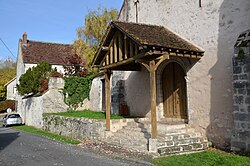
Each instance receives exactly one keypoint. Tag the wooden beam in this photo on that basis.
(125, 47)
(108, 95)
(161, 59)
(131, 49)
(120, 47)
(115, 49)
(136, 50)
(153, 98)
(107, 59)
(111, 53)
(124, 62)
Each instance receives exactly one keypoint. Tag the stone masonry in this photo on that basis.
(241, 94)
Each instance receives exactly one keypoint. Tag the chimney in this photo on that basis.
(24, 38)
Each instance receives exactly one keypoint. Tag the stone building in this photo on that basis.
(11, 89)
(209, 26)
(241, 93)
(30, 53)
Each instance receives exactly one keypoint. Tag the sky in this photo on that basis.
(44, 20)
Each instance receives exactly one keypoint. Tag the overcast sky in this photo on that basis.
(44, 20)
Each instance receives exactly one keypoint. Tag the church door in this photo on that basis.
(174, 91)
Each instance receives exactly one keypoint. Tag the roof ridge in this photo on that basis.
(146, 24)
(49, 42)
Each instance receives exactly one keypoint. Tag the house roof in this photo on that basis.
(147, 35)
(53, 53)
(13, 79)
(154, 35)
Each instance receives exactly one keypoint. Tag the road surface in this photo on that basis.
(23, 149)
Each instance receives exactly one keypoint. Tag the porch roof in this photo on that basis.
(147, 38)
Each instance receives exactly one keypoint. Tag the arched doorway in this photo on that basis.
(174, 91)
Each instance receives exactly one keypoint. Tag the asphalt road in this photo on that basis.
(23, 149)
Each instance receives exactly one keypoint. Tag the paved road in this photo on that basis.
(22, 149)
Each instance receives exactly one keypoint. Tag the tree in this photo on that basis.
(34, 80)
(90, 35)
(76, 67)
(7, 72)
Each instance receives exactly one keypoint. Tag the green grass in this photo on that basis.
(86, 114)
(60, 138)
(207, 158)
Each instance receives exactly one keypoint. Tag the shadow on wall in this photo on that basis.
(138, 93)
(233, 19)
(117, 96)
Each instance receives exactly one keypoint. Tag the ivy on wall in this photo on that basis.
(76, 89)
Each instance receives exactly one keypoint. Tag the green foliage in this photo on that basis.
(76, 89)
(90, 35)
(86, 114)
(35, 79)
(4, 105)
(207, 158)
(60, 138)
(7, 72)
(76, 67)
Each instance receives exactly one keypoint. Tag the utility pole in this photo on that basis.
(136, 10)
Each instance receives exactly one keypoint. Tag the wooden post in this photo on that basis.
(115, 53)
(120, 48)
(153, 98)
(108, 94)
(125, 47)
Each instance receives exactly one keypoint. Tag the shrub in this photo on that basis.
(33, 81)
(4, 105)
(76, 89)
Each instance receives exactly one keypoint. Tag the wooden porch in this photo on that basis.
(129, 46)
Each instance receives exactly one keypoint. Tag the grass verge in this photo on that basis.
(36, 131)
(206, 158)
(86, 114)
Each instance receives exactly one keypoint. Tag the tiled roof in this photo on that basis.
(53, 53)
(154, 35)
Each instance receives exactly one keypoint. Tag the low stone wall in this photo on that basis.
(83, 128)
(79, 128)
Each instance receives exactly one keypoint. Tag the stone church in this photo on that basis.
(171, 62)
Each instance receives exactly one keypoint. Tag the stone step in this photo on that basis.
(178, 136)
(181, 142)
(132, 135)
(160, 126)
(139, 129)
(182, 149)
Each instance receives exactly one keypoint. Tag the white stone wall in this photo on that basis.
(59, 68)
(138, 93)
(31, 109)
(20, 66)
(11, 90)
(215, 27)
(95, 101)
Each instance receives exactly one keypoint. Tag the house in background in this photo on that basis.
(198, 94)
(11, 89)
(30, 53)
